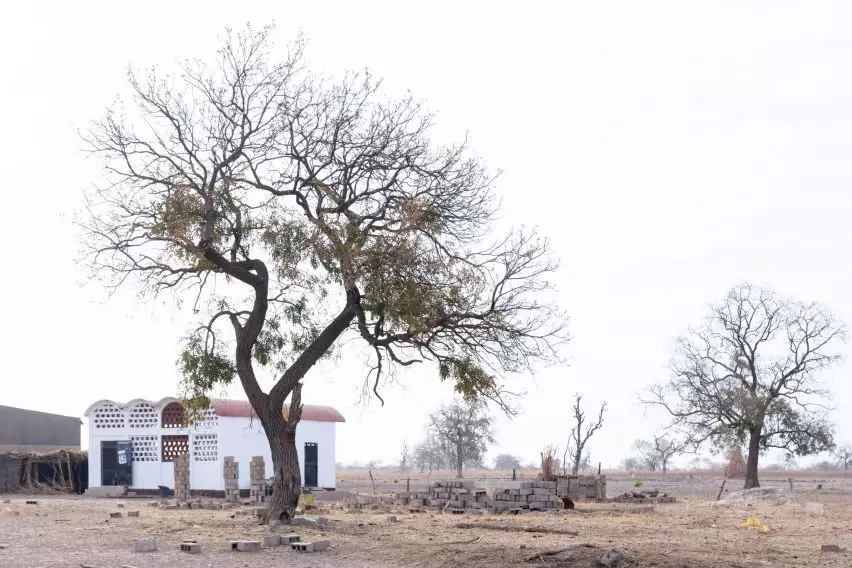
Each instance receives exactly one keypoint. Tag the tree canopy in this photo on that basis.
(287, 210)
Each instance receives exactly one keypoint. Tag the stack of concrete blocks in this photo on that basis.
(458, 495)
(582, 487)
(231, 473)
(182, 478)
(416, 497)
(257, 476)
(532, 495)
(370, 501)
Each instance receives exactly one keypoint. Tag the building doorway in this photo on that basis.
(117, 463)
(311, 465)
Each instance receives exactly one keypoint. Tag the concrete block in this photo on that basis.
(145, 546)
(311, 546)
(248, 545)
(30, 502)
(115, 515)
(271, 540)
(830, 548)
(7, 500)
(611, 558)
(290, 538)
(190, 547)
(132, 513)
(107, 491)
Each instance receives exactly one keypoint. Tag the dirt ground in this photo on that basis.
(695, 532)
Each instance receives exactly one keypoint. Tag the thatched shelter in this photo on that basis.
(60, 470)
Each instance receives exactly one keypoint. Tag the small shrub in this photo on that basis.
(307, 499)
(396, 481)
(638, 483)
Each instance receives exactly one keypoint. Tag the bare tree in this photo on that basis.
(404, 455)
(749, 375)
(286, 211)
(647, 454)
(581, 431)
(505, 462)
(843, 455)
(666, 449)
(428, 454)
(464, 430)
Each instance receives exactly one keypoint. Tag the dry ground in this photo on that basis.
(67, 532)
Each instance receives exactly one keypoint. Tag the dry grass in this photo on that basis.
(691, 533)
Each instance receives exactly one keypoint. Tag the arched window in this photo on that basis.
(142, 415)
(174, 416)
(108, 416)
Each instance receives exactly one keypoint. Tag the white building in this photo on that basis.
(135, 443)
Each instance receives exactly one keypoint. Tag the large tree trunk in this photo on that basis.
(287, 483)
(751, 463)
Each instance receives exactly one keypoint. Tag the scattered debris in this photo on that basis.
(392, 519)
(471, 541)
(554, 551)
(145, 546)
(762, 495)
(611, 558)
(511, 528)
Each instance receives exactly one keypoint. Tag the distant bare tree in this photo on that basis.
(428, 454)
(749, 375)
(648, 455)
(666, 449)
(581, 431)
(464, 430)
(404, 456)
(505, 462)
(843, 455)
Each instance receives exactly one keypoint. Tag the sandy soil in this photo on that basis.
(694, 532)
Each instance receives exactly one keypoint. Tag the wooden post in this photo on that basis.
(790, 480)
(408, 485)
(719, 496)
(599, 468)
(514, 474)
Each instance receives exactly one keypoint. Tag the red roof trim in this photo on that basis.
(242, 409)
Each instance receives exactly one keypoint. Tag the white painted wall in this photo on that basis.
(242, 438)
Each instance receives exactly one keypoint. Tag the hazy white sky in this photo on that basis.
(670, 149)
